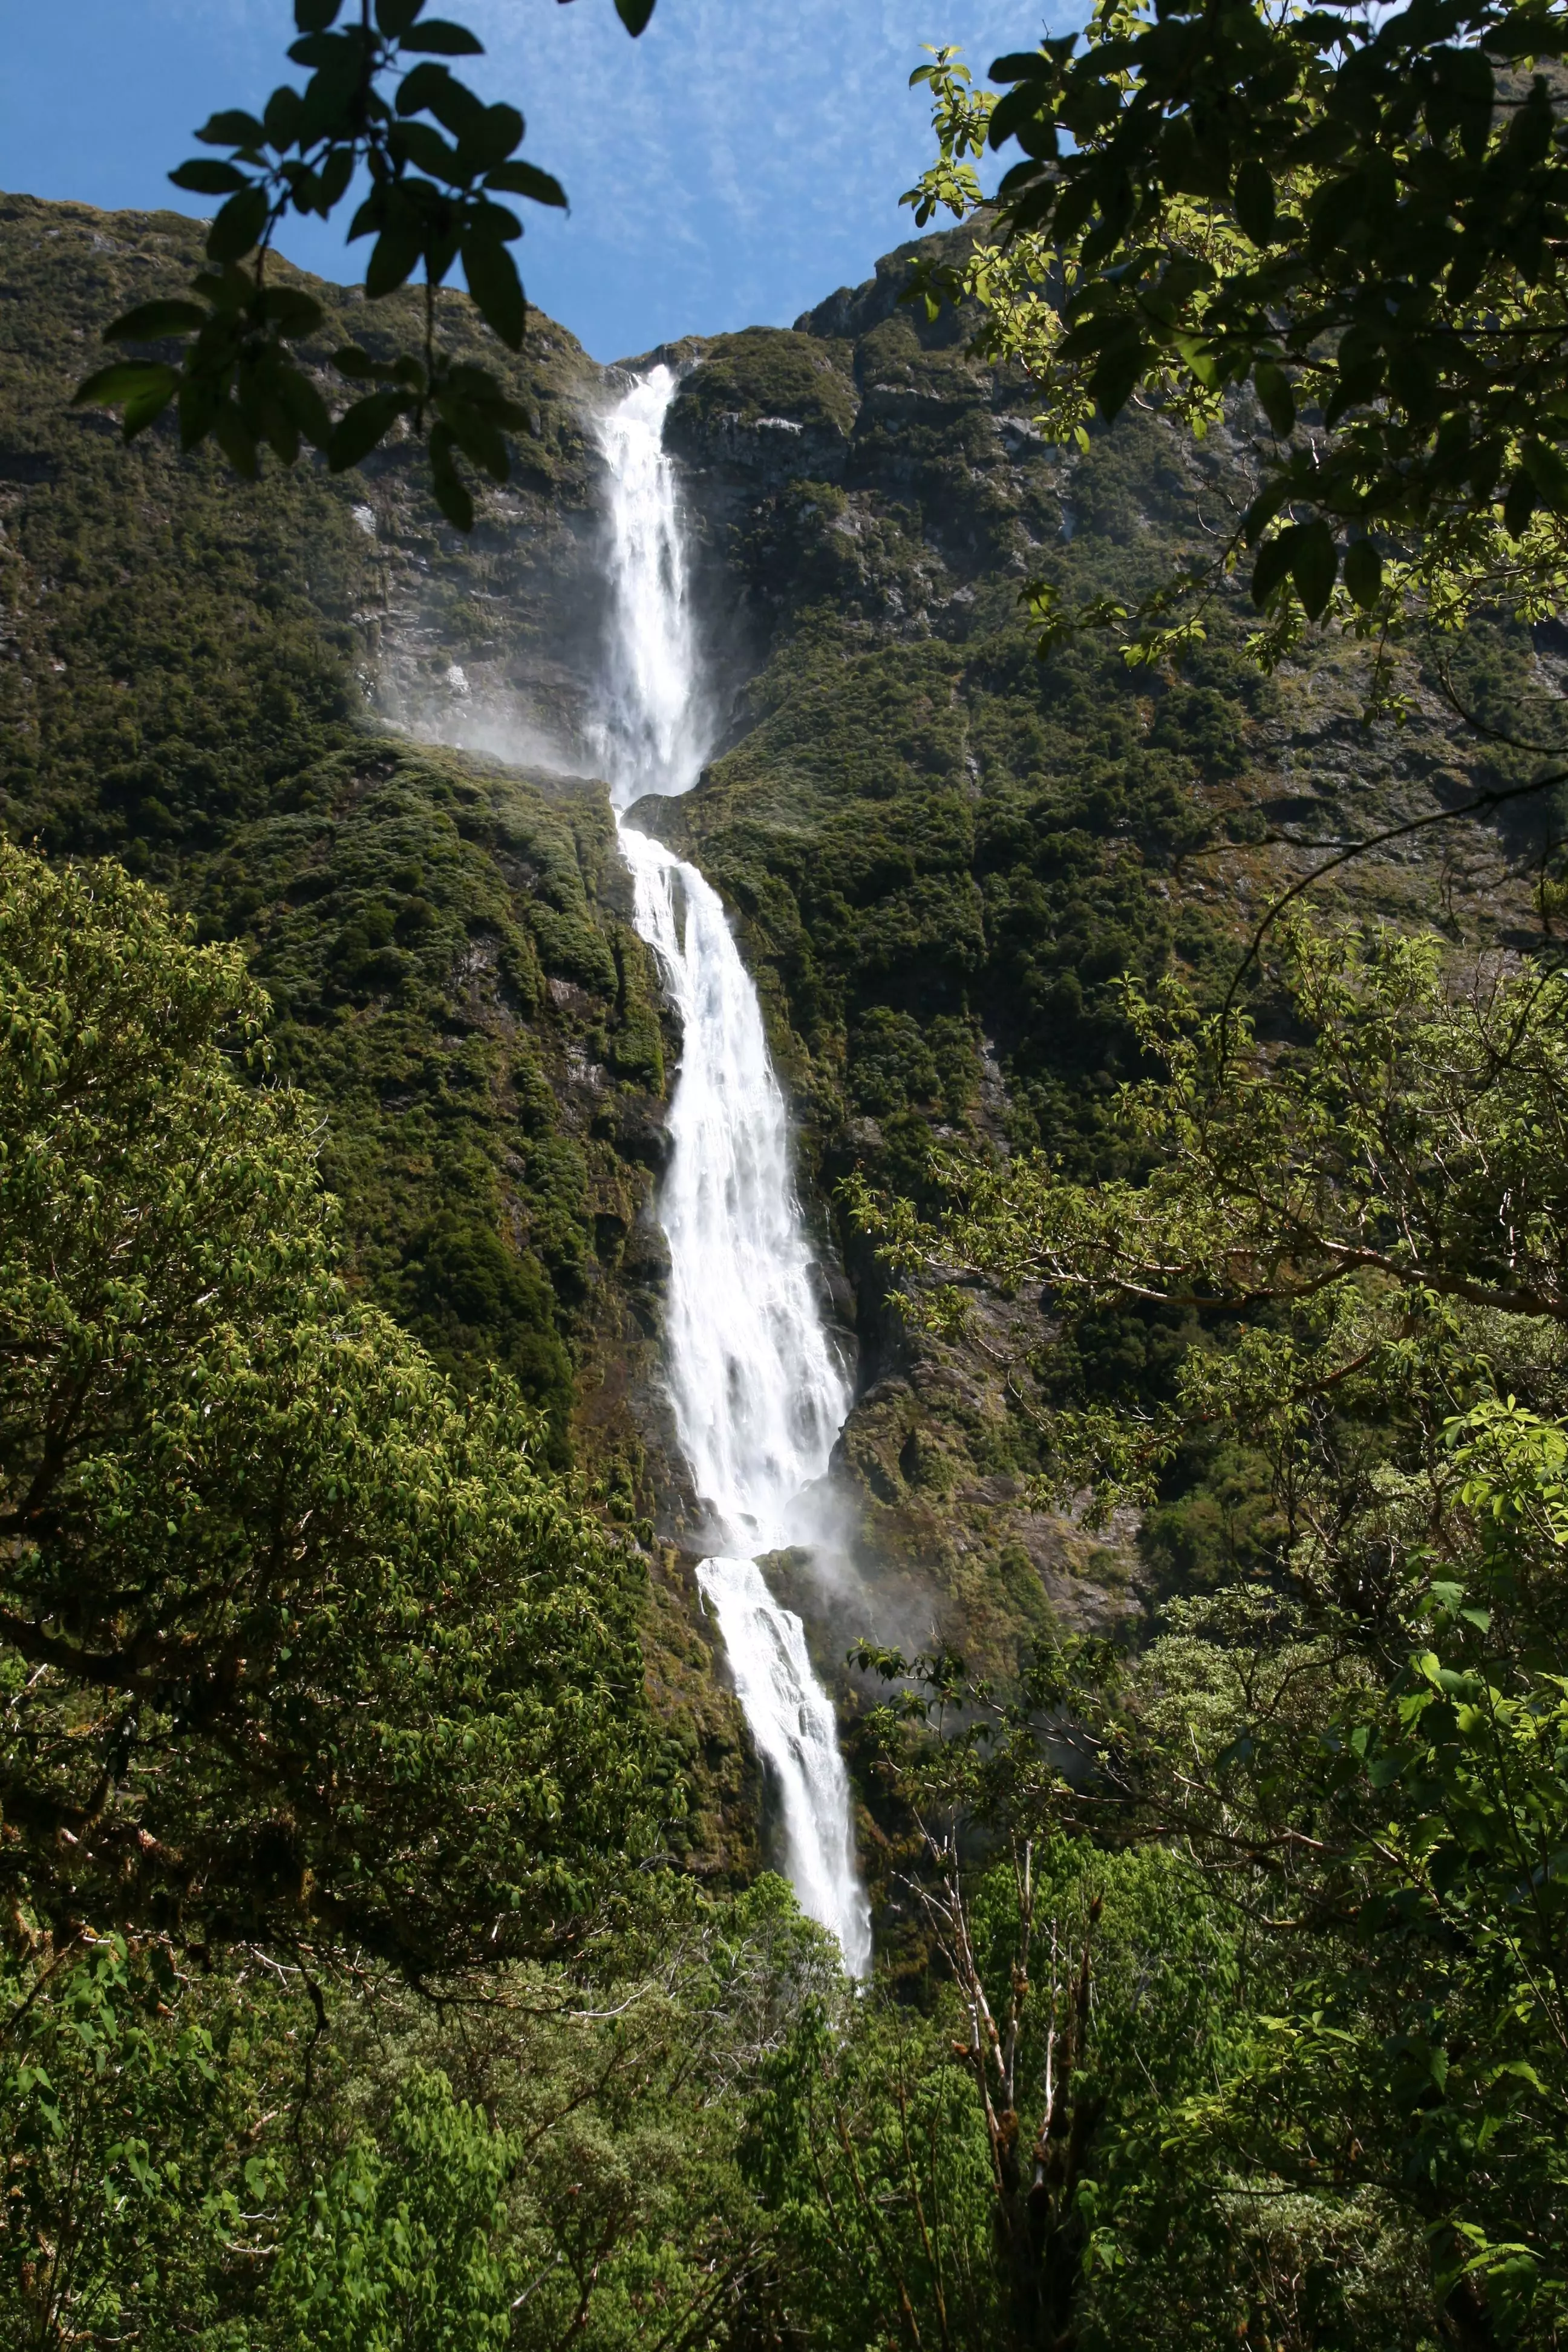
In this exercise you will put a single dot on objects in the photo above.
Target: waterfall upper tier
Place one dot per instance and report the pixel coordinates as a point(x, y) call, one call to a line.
point(757, 1394)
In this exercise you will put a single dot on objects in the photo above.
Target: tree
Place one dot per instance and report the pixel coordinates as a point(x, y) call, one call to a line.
point(1360, 1219)
point(1355, 215)
point(297, 1646)
point(235, 356)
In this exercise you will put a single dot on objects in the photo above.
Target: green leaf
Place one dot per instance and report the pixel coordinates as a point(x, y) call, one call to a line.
point(420, 88)
point(200, 178)
point(497, 289)
point(452, 496)
point(143, 388)
point(150, 321)
point(396, 256)
point(233, 129)
point(1255, 209)
point(289, 309)
point(634, 15)
point(1364, 572)
point(1272, 566)
point(1315, 560)
point(1275, 397)
point(357, 365)
point(395, 16)
point(304, 407)
point(237, 441)
point(240, 226)
point(315, 16)
point(1547, 469)
point(476, 437)
point(361, 427)
point(1519, 505)
point(439, 38)
point(521, 179)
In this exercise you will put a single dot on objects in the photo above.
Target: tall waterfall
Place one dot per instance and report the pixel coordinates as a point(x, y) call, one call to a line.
point(757, 1397)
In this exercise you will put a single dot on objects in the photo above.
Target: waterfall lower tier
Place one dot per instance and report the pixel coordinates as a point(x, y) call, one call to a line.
point(758, 1396)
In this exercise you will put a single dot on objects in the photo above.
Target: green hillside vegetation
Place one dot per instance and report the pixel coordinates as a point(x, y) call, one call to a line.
point(447, 945)
point(946, 855)
point(387, 1960)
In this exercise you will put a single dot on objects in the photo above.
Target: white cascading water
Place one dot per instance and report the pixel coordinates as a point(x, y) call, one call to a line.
point(757, 1397)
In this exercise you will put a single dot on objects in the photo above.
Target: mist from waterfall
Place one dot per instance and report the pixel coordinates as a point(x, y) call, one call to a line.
point(757, 1395)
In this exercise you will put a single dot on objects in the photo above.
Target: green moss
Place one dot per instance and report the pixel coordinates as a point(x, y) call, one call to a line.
point(770, 372)
point(442, 943)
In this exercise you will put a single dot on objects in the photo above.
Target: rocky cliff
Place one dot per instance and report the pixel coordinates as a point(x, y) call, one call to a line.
point(341, 734)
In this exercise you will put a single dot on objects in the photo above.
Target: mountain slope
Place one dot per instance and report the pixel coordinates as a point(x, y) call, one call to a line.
point(941, 854)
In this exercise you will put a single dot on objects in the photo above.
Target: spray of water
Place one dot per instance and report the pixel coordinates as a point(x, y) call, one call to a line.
point(757, 1397)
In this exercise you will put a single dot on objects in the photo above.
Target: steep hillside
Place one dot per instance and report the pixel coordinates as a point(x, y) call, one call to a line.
point(336, 731)
point(943, 853)
point(194, 680)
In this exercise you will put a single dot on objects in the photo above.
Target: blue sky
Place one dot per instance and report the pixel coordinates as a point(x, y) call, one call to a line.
point(732, 167)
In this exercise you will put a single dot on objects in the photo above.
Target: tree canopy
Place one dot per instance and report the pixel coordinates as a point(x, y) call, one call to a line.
point(1354, 216)
point(380, 102)
point(297, 1643)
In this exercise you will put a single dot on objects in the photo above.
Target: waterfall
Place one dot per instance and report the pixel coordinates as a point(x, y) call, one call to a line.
point(758, 1398)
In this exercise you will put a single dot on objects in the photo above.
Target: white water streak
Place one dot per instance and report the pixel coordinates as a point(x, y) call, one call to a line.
point(757, 1394)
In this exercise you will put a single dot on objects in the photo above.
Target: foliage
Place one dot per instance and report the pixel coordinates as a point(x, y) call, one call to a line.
point(1360, 1737)
point(272, 1591)
point(380, 100)
point(241, 2156)
point(397, 2248)
point(1396, 1146)
point(1350, 215)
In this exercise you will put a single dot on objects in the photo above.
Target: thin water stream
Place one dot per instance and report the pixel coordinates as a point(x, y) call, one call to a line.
point(757, 1393)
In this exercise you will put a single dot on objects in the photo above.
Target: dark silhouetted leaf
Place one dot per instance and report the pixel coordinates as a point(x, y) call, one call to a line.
point(304, 407)
point(1275, 397)
point(150, 321)
point(359, 428)
point(420, 88)
point(1547, 469)
point(236, 440)
point(1519, 505)
point(396, 254)
point(452, 495)
point(1255, 202)
point(439, 38)
point(1364, 572)
point(520, 179)
point(204, 179)
point(238, 226)
point(1272, 566)
point(1315, 560)
point(427, 150)
point(141, 388)
point(497, 289)
point(634, 15)
point(476, 437)
point(290, 310)
point(233, 129)
point(284, 108)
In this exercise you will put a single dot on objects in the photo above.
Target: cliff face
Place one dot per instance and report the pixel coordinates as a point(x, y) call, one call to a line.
point(940, 853)
point(196, 676)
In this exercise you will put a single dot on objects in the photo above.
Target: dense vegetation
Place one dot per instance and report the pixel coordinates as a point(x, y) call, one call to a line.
point(354, 1994)
point(945, 852)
